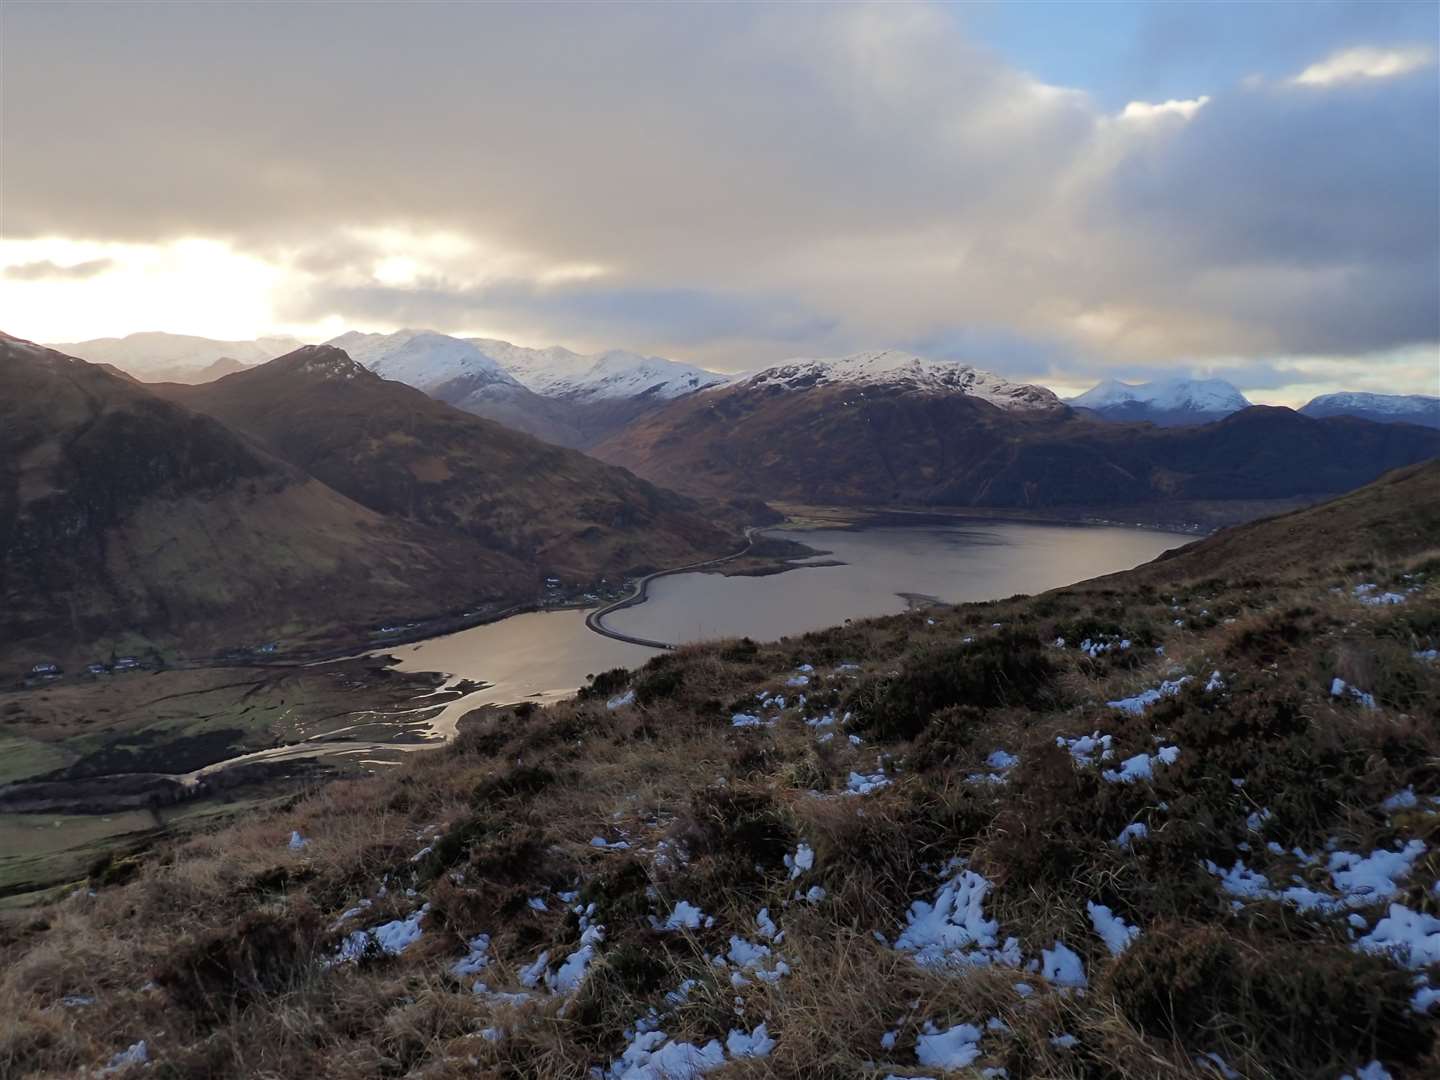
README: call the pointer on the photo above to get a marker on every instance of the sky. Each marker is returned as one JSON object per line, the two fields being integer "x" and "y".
{"x": 1058, "y": 192}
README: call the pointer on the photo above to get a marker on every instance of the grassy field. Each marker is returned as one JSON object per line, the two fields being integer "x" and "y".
{"x": 1179, "y": 822}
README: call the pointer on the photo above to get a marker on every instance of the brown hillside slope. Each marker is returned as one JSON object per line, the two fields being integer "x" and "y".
{"x": 837, "y": 443}
{"x": 128, "y": 522}
{"x": 406, "y": 455}
{"x": 953, "y": 833}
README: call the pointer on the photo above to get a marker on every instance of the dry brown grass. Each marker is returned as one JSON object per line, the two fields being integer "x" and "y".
{"x": 517, "y": 799}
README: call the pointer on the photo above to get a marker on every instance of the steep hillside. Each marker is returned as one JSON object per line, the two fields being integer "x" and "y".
{"x": 403, "y": 454}
{"x": 1167, "y": 402}
{"x": 1381, "y": 408}
{"x": 1175, "y": 823}
{"x": 888, "y": 436}
{"x": 128, "y": 522}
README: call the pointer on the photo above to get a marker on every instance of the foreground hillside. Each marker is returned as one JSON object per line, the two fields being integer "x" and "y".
{"x": 128, "y": 523}
{"x": 1175, "y": 822}
{"x": 873, "y": 430}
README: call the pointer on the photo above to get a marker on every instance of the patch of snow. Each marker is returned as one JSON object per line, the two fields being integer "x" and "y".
{"x": 390, "y": 938}
{"x": 952, "y": 1048}
{"x": 621, "y": 700}
{"x": 952, "y": 931}
{"x": 802, "y": 860}
{"x": 755, "y": 1044}
{"x": 477, "y": 958}
{"x": 864, "y": 784}
{"x": 1111, "y": 928}
{"x": 1137, "y": 830}
{"x": 1410, "y": 938}
{"x": 297, "y": 842}
{"x": 134, "y": 1054}
{"x": 1084, "y": 748}
{"x": 1062, "y": 966}
{"x": 1142, "y": 701}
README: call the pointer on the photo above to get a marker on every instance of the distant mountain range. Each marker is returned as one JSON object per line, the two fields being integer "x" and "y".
{"x": 160, "y": 357}
{"x": 878, "y": 428}
{"x": 1167, "y": 402}
{"x": 305, "y": 499}
{"x": 1382, "y": 408}
{"x": 579, "y": 400}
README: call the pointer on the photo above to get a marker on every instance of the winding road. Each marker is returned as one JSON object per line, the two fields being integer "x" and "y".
{"x": 596, "y": 619}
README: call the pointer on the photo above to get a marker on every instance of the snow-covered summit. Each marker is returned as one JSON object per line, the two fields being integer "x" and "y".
{"x": 559, "y": 372}
{"x": 1386, "y": 408}
{"x": 422, "y": 358}
{"x": 1168, "y": 395}
{"x": 429, "y": 360}
{"x": 889, "y": 367}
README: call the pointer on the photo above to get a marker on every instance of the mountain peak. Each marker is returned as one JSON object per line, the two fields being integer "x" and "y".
{"x": 892, "y": 367}
{"x": 320, "y": 361}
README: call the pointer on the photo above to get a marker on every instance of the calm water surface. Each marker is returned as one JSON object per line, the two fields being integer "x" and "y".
{"x": 952, "y": 563}
{"x": 546, "y": 655}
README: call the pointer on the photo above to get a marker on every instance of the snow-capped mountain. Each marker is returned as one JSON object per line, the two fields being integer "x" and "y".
{"x": 1167, "y": 402}
{"x": 556, "y": 394}
{"x": 891, "y": 368}
{"x": 1383, "y": 408}
{"x": 154, "y": 356}
{"x": 558, "y": 372}
{"x": 423, "y": 359}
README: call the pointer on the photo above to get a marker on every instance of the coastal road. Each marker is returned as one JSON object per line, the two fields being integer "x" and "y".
{"x": 596, "y": 619}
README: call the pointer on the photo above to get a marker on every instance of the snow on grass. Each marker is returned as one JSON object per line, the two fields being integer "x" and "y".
{"x": 1084, "y": 747}
{"x": 134, "y": 1054}
{"x": 744, "y": 720}
{"x": 953, "y": 931}
{"x": 1142, "y": 701}
{"x": 390, "y": 938}
{"x": 1402, "y": 800}
{"x": 621, "y": 700}
{"x": 755, "y": 1044}
{"x": 651, "y": 1056}
{"x": 1111, "y": 928}
{"x": 865, "y": 783}
{"x": 1373, "y": 1071}
{"x": 1215, "y": 1063}
{"x": 1141, "y": 766}
{"x": 1366, "y": 594}
{"x": 609, "y": 845}
{"x": 1359, "y": 880}
{"x": 1000, "y": 759}
{"x": 798, "y": 680}
{"x": 567, "y": 978}
{"x": 1136, "y": 830}
{"x": 1409, "y": 938}
{"x": 1063, "y": 967}
{"x": 1064, "y": 1041}
{"x": 747, "y": 958}
{"x": 531, "y": 976}
{"x": 297, "y": 842}
{"x": 952, "y": 1048}
{"x": 477, "y": 958}
{"x": 1215, "y": 683}
{"x": 800, "y": 861}
{"x": 1339, "y": 688}
{"x": 684, "y": 916}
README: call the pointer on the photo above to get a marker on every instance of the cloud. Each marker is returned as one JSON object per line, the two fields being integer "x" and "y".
{"x": 46, "y": 269}
{"x": 733, "y": 183}
{"x": 1364, "y": 62}
{"x": 1144, "y": 111}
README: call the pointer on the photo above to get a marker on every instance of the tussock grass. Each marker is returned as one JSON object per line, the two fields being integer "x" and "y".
{"x": 220, "y": 951}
